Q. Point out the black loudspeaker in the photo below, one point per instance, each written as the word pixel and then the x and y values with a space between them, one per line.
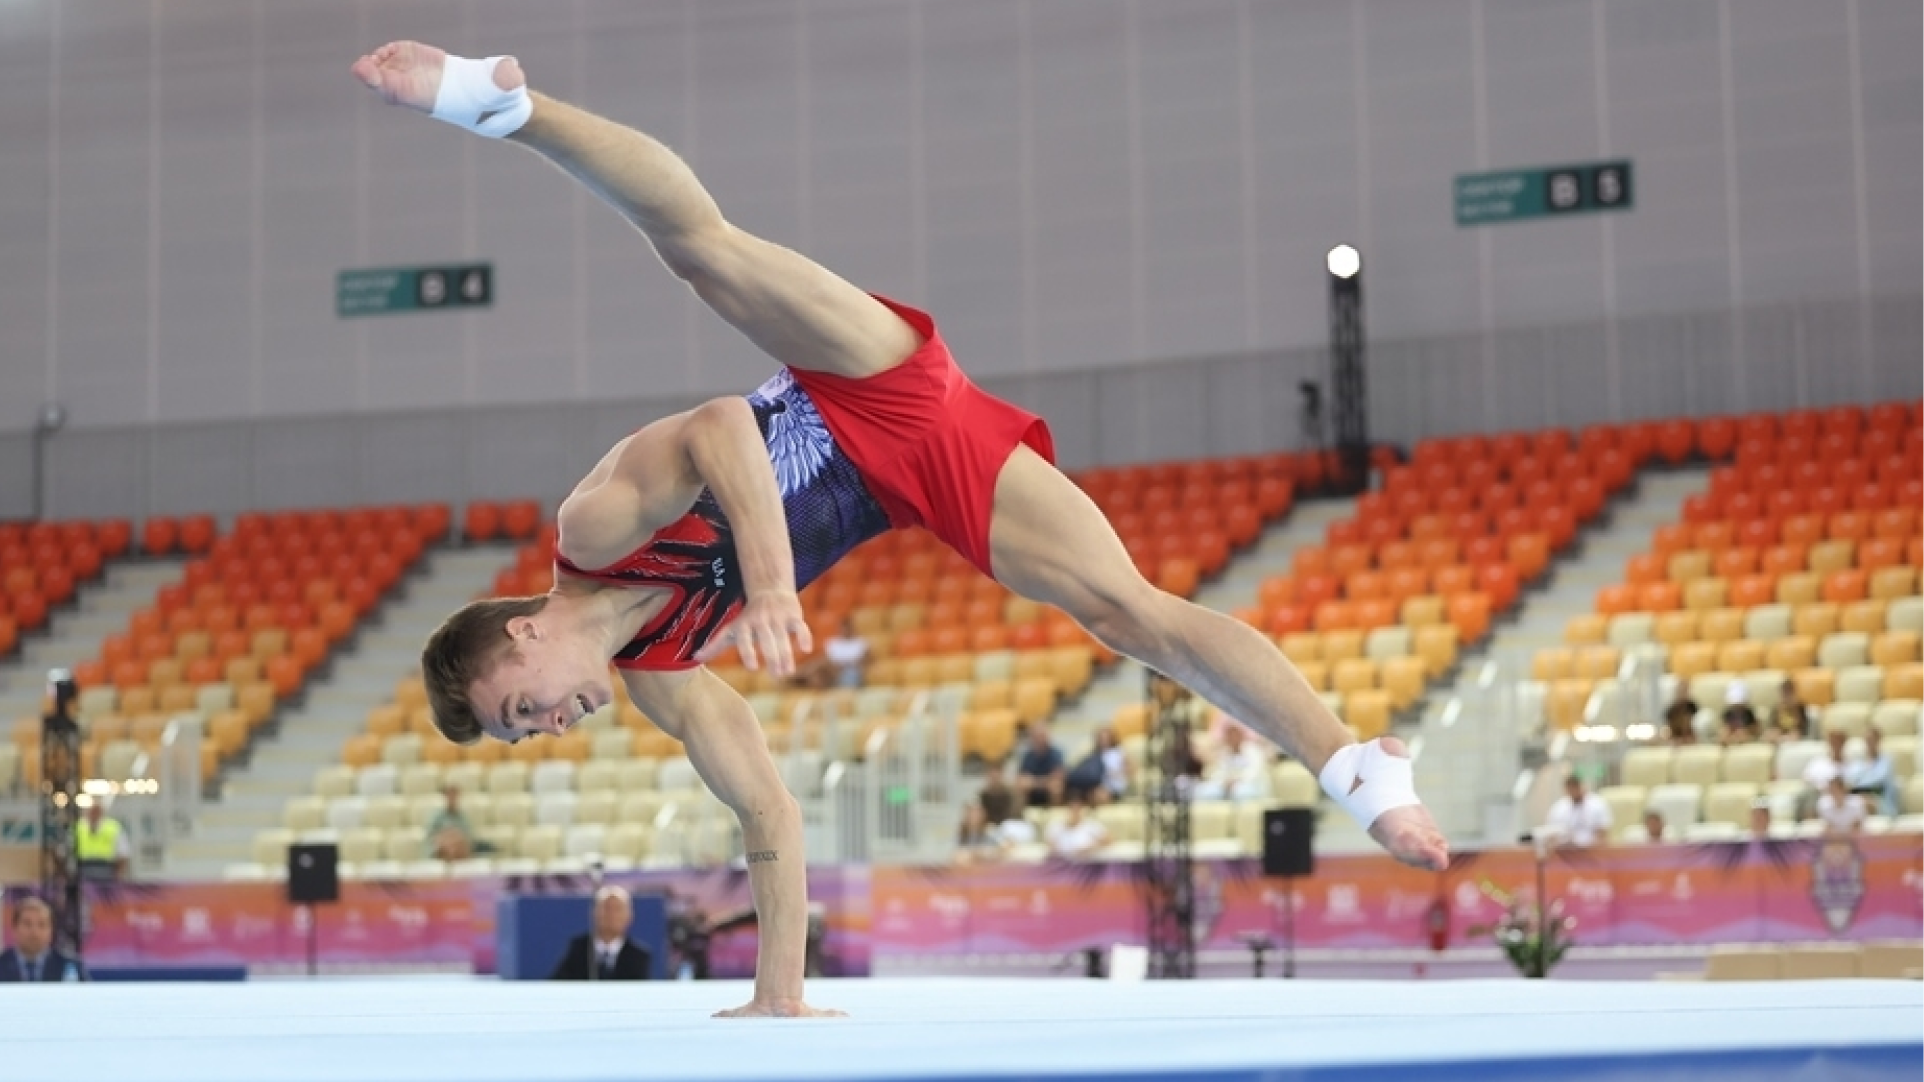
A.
pixel 1288 834
pixel 312 873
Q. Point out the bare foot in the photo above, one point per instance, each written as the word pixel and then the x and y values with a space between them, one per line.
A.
pixel 1409 833
pixel 778 1008
pixel 409 73
pixel 1411 836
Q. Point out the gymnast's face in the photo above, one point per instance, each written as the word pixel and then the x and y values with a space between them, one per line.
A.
pixel 544 685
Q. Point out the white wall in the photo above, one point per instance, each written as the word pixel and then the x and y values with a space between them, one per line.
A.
pixel 1067 184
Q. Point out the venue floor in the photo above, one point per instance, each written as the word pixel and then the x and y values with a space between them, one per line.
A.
pixel 483 1030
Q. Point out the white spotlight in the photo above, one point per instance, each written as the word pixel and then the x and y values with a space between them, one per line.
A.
pixel 1344 261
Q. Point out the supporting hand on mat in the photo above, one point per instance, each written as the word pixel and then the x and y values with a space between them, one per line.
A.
pixel 786 1008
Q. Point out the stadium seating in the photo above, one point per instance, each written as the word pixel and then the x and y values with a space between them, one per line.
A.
pixel 252 615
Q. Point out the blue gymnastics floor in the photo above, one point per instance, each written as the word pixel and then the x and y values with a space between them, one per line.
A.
pixel 962 1029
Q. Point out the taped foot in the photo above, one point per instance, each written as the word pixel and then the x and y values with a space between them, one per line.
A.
pixel 469 98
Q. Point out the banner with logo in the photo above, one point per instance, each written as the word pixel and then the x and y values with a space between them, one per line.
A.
pixel 433 923
pixel 1868 887
pixel 1861 888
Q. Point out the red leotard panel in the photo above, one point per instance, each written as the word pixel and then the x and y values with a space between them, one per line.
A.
pixel 928 441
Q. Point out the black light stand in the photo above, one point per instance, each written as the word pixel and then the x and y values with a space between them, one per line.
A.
pixel 60 812
pixel 1168 879
pixel 1349 401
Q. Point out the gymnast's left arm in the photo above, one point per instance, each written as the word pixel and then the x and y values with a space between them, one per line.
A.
pixel 724 446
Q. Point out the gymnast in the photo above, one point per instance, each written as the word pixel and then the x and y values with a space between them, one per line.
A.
pixel 696 532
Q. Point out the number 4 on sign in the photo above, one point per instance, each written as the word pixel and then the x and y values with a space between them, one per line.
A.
pixel 474 285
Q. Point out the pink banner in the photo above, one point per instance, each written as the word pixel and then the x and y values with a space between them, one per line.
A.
pixel 421 923
pixel 1867 888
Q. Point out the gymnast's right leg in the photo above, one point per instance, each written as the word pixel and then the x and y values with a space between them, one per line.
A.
pixel 794 309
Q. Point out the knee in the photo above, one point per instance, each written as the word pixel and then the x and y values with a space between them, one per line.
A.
pixel 696 256
pixel 1124 618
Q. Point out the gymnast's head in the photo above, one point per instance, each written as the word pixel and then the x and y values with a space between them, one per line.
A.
pixel 511 668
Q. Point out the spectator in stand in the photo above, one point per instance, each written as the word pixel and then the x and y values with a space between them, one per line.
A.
pixel 977 840
pixel 1240 770
pixel 1842 811
pixel 1579 817
pixel 1820 771
pixel 1874 777
pixel 846 654
pixel 1001 813
pixel 1740 721
pixel 1653 825
pixel 1077 834
pixel 1040 773
pixel 1680 717
pixel 1103 774
pixel 1760 818
pixel 450 835
pixel 1790 718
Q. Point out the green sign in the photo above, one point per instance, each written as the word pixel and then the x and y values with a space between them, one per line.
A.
pixel 1519 194
pixel 412 289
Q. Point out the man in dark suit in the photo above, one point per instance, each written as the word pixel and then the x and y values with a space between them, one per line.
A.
pixel 608 951
pixel 32 956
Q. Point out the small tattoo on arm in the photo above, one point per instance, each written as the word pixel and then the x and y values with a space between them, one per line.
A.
pixel 761 856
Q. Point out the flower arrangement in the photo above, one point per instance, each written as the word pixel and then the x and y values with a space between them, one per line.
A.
pixel 1533 938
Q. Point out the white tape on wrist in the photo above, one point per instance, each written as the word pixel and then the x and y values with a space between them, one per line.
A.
pixel 468 98
pixel 1388 781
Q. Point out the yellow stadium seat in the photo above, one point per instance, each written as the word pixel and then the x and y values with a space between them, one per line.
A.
pixel 1582 629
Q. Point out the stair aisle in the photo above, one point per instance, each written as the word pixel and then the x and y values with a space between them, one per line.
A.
pixel 312 734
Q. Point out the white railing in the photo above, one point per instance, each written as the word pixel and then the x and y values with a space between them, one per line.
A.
pixel 894 799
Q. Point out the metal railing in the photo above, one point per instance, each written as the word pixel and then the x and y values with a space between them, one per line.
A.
pixel 155 802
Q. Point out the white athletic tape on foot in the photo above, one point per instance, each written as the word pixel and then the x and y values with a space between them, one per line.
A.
pixel 469 99
pixel 1389 781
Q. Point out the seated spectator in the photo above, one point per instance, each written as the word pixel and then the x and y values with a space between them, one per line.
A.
pixel 450 835
pixel 977 840
pixel 1001 818
pixel 606 953
pixel 1078 834
pixel 1653 825
pixel 1103 774
pixel 1579 817
pixel 1819 772
pixel 1039 774
pixel 1240 770
pixel 846 655
pixel 1760 818
pixel 1790 718
pixel 1842 811
pixel 1740 721
pixel 1874 777
pixel 33 958
pixel 1680 717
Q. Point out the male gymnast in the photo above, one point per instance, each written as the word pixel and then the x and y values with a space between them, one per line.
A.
pixel 696 532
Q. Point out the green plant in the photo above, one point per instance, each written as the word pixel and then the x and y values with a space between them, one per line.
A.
pixel 1533 938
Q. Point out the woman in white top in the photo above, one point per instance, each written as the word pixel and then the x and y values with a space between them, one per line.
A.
pixel 1842 811
pixel 846 654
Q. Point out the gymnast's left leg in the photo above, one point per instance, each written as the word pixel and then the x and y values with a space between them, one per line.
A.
pixel 1049 542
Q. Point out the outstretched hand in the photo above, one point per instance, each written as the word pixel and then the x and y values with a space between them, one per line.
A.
pixel 768 633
